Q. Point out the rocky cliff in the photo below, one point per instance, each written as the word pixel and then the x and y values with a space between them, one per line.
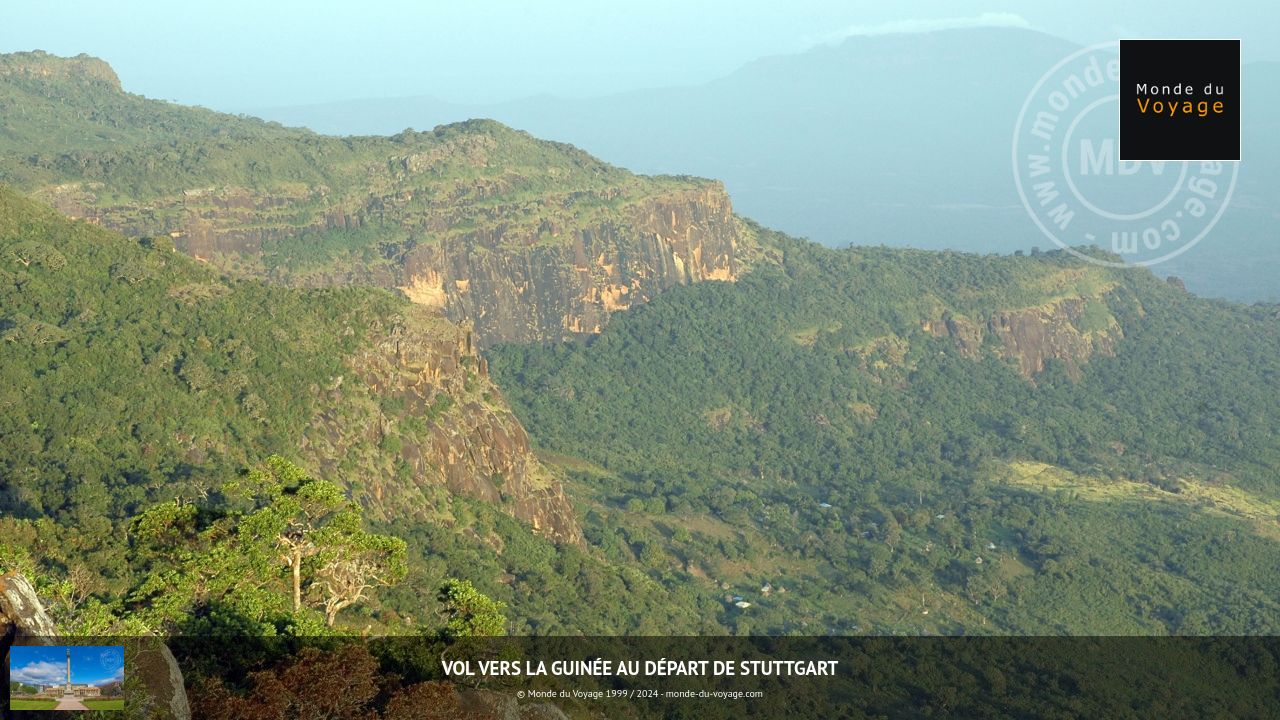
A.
pixel 521 268
pixel 1068 330
pixel 564 277
pixel 420 406
pixel 43 67
pixel 362 387
pixel 528 240
pixel 515 282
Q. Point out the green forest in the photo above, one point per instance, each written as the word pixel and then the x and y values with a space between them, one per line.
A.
pixel 220 419
pixel 795 441
pixel 136 381
pixel 799 430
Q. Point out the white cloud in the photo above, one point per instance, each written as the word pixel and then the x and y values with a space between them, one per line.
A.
pixel 40 673
pixel 921 25
pixel 117 676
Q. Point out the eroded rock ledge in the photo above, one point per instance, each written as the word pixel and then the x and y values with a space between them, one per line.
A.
pixel 431 419
pixel 1070 330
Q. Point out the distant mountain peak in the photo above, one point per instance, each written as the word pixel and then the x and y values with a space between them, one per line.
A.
pixel 40 65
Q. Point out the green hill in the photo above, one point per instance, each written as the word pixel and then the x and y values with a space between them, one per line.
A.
pixel 862 440
pixel 931 442
pixel 132 376
pixel 527 239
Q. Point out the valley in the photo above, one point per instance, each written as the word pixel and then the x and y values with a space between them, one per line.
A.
pixel 606 402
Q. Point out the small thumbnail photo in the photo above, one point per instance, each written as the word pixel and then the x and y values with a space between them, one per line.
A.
pixel 62 677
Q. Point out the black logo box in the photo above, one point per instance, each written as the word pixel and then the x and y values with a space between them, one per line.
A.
pixel 1185 67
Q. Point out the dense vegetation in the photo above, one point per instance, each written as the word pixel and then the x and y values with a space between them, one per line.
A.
pixel 843 441
pixel 799 429
pixel 133 378
pixel 794 440
pixel 69 120
pixel 70 134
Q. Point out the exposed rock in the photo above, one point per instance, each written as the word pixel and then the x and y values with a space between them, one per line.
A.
pixel 21 613
pixel 451 428
pixel 1034 336
pixel 153 666
pixel 968 335
pixel 516 289
pixel 39 65
pixel 521 269
pixel 1038 334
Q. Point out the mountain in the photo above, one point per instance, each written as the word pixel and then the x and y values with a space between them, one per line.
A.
pixel 922 442
pixel 104 333
pixel 859 440
pixel 895 139
pixel 132 376
pixel 524 239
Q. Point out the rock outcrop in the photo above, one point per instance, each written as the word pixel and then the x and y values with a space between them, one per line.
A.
pixel 21 613
pixel 1068 330
pixel 528 240
pixel 151 665
pixel 515 287
pixel 42 66
pixel 515 280
pixel 433 419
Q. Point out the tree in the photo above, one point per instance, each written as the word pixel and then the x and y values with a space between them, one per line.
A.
pixel 304 506
pixel 355 562
pixel 30 252
pixel 467 612
pixel 310 521
pixel 228 559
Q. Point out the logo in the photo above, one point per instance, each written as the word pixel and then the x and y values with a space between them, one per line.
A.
pixel 1075 187
pixel 1180 99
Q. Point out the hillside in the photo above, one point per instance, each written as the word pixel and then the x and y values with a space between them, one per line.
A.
pixel 526 239
pixel 132 376
pixel 898 139
pixel 927 442
pixel 858 440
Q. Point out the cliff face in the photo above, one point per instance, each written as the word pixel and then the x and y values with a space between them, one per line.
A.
pixel 528 240
pixel 528 270
pixel 1069 330
pixel 419 404
pixel 517 287
pixel 386 397
pixel 41 66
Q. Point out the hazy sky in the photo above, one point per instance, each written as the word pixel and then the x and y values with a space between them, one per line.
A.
pixel 242 54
